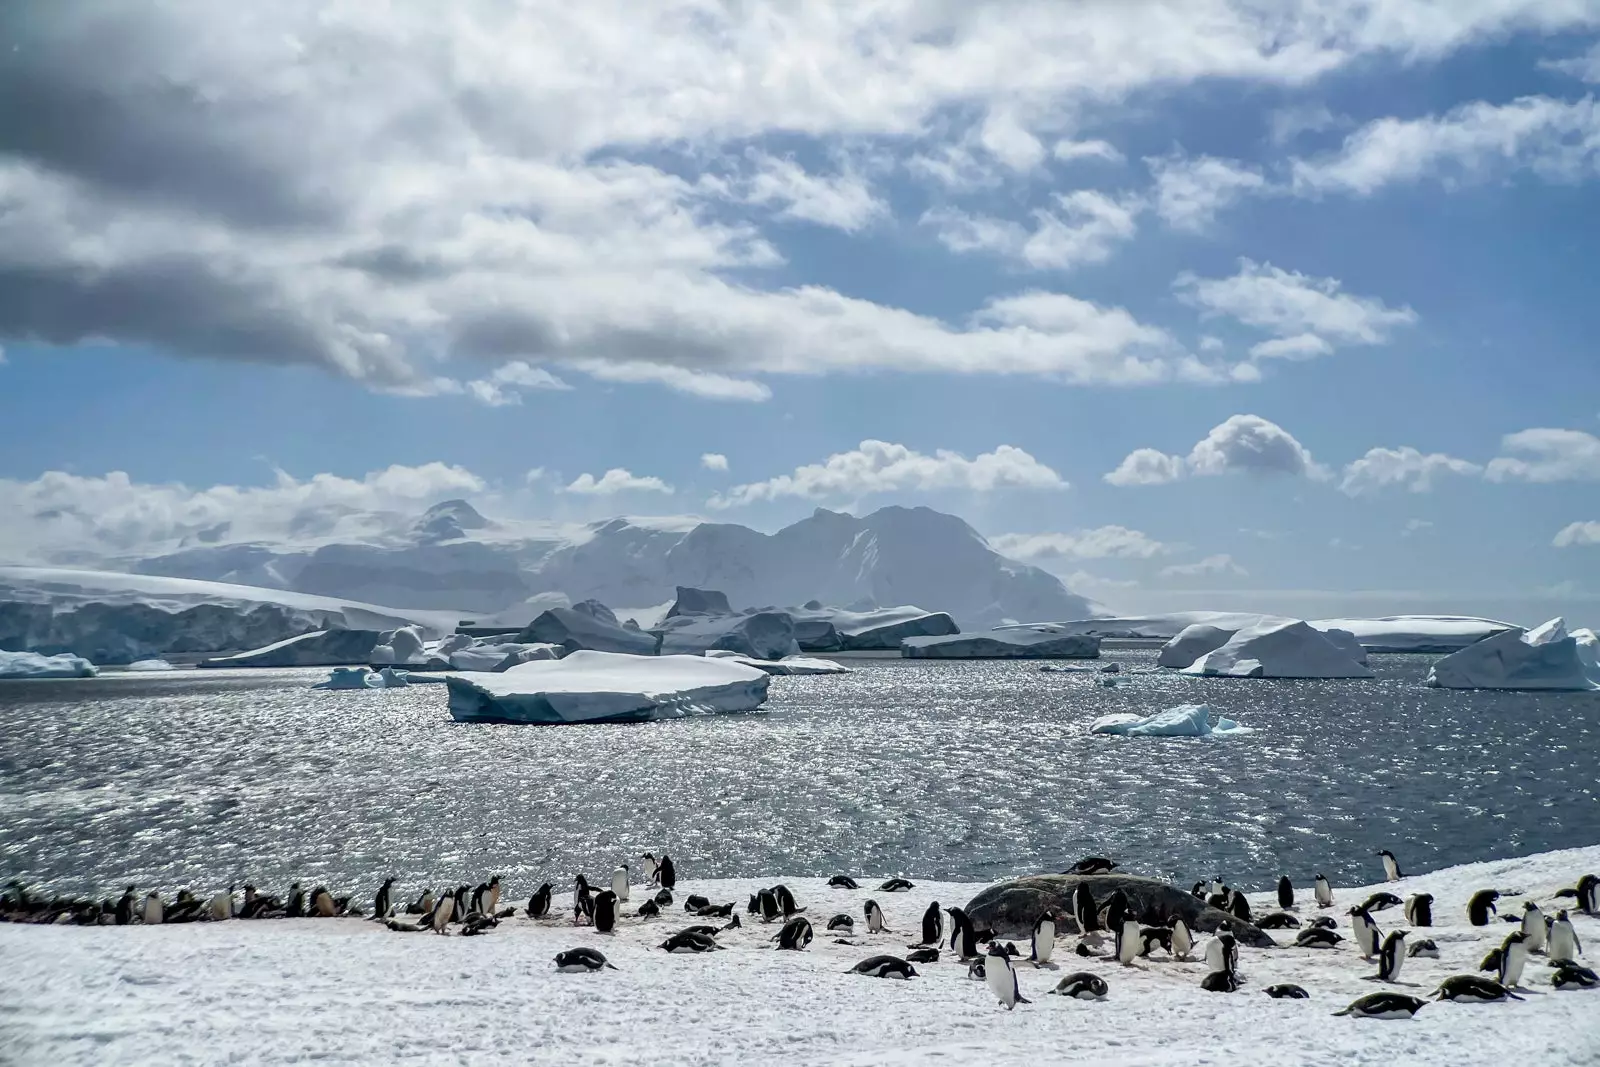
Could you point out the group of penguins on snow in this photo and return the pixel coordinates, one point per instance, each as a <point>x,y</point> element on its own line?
<point>477,910</point>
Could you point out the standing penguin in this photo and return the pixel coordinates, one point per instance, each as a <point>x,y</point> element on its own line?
<point>442,911</point>
<point>1044,938</point>
<point>1222,954</point>
<point>786,903</point>
<point>1324,892</point>
<point>1589,895</point>
<point>1481,906</point>
<point>152,913</point>
<point>1001,978</point>
<point>322,903</point>
<point>582,906</point>
<point>766,903</point>
<point>1182,939</point>
<point>124,913</point>
<point>1533,927</point>
<point>963,938</point>
<point>1129,943</point>
<point>619,882</point>
<point>1084,909</point>
<point>539,903</point>
<point>222,905</point>
<point>296,908</point>
<point>1285,892</point>
<point>1564,944</point>
<point>874,917</point>
<point>1391,866</point>
<point>666,873</point>
<point>605,912</point>
<point>1239,906</point>
<point>380,902</point>
<point>648,864</point>
<point>1419,909</point>
<point>1366,932</point>
<point>1391,956</point>
<point>1513,957</point>
<point>933,925</point>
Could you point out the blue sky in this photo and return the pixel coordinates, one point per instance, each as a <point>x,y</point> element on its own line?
<point>1007,246</point>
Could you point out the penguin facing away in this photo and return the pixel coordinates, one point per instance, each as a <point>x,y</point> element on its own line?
<point>795,935</point>
<point>1001,977</point>
<point>605,912</point>
<point>619,882</point>
<point>1419,909</point>
<point>539,903</point>
<point>1285,892</point>
<point>933,925</point>
<point>667,873</point>
<point>1481,906</point>
<point>963,938</point>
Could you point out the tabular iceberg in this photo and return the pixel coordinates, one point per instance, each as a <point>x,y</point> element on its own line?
<point>1391,633</point>
<point>319,648</point>
<point>598,687</point>
<point>33,665</point>
<point>1002,644</point>
<point>786,665</point>
<point>1546,657</point>
<point>1279,648</point>
<point>1186,720</point>
<point>495,656</point>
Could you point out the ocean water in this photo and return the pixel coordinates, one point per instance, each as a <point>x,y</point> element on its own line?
<point>955,770</point>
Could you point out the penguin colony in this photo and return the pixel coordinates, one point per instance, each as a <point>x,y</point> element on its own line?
<point>1109,930</point>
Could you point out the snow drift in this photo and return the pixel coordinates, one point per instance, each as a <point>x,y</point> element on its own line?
<point>596,687</point>
<point>1186,720</point>
<point>33,665</point>
<point>1002,644</point>
<point>1279,648</point>
<point>1546,657</point>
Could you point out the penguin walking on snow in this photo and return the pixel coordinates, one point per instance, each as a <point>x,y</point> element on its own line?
<point>963,938</point>
<point>1391,956</point>
<point>1001,978</point>
<point>605,912</point>
<point>1129,943</point>
<point>1323,892</point>
<point>1365,931</point>
<point>380,902</point>
<point>932,925</point>
<point>442,912</point>
<point>1391,866</point>
<point>1564,944</point>
<point>619,882</point>
<point>1182,939</point>
<point>1533,927</point>
<point>1044,939</point>
<point>874,916</point>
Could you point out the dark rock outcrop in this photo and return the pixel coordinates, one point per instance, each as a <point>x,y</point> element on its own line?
<point>1012,908</point>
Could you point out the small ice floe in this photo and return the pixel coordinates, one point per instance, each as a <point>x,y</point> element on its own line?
<point>149,665</point>
<point>361,678</point>
<point>1186,720</point>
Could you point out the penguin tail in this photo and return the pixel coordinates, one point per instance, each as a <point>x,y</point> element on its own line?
<point>1345,1011</point>
<point>611,965</point>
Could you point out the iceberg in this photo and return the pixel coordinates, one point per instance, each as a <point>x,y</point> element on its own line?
<point>1391,633</point>
<point>1186,720</point>
<point>600,687</point>
<point>499,655</point>
<point>874,629</point>
<point>319,648</point>
<point>403,645</point>
<point>1546,657</point>
<point>1279,648</point>
<point>1002,644</point>
<point>33,665</point>
<point>786,665</point>
<point>150,665</point>
<point>761,635</point>
<point>580,631</point>
<point>1192,642</point>
<point>361,678</point>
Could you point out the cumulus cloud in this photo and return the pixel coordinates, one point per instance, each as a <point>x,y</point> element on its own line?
<point>1190,191</point>
<point>1547,455</point>
<point>1218,564</point>
<point>1083,227</point>
<point>1104,542</point>
<point>1242,443</point>
<point>616,480</point>
<point>1299,346</point>
<point>502,387</point>
<point>843,201</point>
<point>1578,533</point>
<point>1585,66</point>
<point>1068,150</point>
<point>881,467</point>
<point>1383,468</point>
<point>714,461</point>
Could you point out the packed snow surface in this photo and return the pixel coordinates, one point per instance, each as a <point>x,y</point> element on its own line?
<point>1279,648</point>
<point>1546,657</point>
<point>607,687</point>
<point>1186,720</point>
<point>33,665</point>
<point>1391,633</point>
<point>1002,644</point>
<point>346,991</point>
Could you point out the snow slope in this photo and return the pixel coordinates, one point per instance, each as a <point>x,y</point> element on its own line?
<point>347,991</point>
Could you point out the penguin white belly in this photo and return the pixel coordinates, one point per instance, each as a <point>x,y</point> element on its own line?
<point>1182,942</point>
<point>1515,959</point>
<point>1129,943</point>
<point>222,906</point>
<point>152,912</point>
<point>1533,929</point>
<point>1563,942</point>
<point>1216,956</point>
<point>1044,941</point>
<point>619,883</point>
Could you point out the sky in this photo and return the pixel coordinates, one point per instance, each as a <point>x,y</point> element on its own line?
<point>1197,303</point>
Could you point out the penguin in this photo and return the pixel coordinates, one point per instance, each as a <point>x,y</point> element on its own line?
<point>963,938</point>
<point>1572,976</point>
<point>1391,866</point>
<point>494,895</point>
<point>717,911</point>
<point>1286,991</point>
<point>1220,982</point>
<point>1491,960</point>
<point>975,969</point>
<point>842,881</point>
<point>1182,939</point>
<point>380,901</point>
<point>1001,978</point>
<point>896,885</point>
<point>1153,937</point>
<point>1115,911</point>
<point>1217,887</point>
<point>786,903</point>
<point>933,925</point>
<point>442,912</point>
<point>619,883</point>
<point>1240,907</point>
<point>1513,957</point>
<point>1285,892</point>
<point>1222,953</point>
<point>1044,936</point>
<point>694,902</point>
<point>884,967</point>
<point>222,905</point>
<point>733,924</point>
<point>1323,892</point>
<point>1326,922</point>
<point>766,904</point>
<point>1391,957</point>
<point>1533,927</point>
<point>1198,891</point>
<point>582,903</point>
<point>605,912</point>
<point>423,905</point>
<point>1424,949</point>
<point>1471,988</point>
<point>1481,906</point>
<point>1317,937</point>
<point>1278,920</point>
<point>1084,909</point>
<point>648,910</point>
<point>663,898</point>
<point>842,922</point>
<point>1081,986</point>
<point>1365,931</point>
<point>322,903</point>
<point>690,941</point>
<point>1564,946</point>
<point>1221,901</point>
<point>1419,909</point>
<point>480,899</point>
<point>153,912</point>
<point>296,907</point>
<point>1092,865</point>
<point>1589,895</point>
<point>124,910</point>
<point>795,935</point>
<point>649,866</point>
<point>1384,1006</point>
<point>926,954</point>
<point>666,873</point>
<point>539,903</point>
<point>874,917</point>
<point>582,961</point>
<point>1381,902</point>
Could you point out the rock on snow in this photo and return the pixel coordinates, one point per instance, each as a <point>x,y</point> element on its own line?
<point>593,687</point>
<point>1546,657</point>
<point>1002,644</point>
<point>1186,720</point>
<point>33,665</point>
<point>1279,648</point>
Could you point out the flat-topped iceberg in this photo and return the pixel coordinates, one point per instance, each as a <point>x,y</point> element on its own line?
<point>1002,644</point>
<point>1546,657</point>
<point>496,656</point>
<point>597,687</point>
<point>1279,648</point>
<point>361,678</point>
<point>1186,720</point>
<point>319,648</point>
<point>33,665</point>
<point>786,665</point>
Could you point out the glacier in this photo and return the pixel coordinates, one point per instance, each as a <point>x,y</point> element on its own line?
<point>1279,648</point>
<point>1002,644</point>
<point>1186,720</point>
<point>603,687</point>
<point>33,665</point>
<point>1546,657</point>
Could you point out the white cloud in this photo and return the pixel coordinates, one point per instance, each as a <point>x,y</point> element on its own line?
<point>1190,191</point>
<point>1415,526</point>
<point>1300,310</point>
<point>1105,542</point>
<point>1288,123</point>
<point>1068,150</point>
<point>1578,533</point>
<point>1084,227</point>
<point>60,515</point>
<point>500,388</point>
<point>681,379</point>
<point>1218,564</point>
<point>1005,137</point>
<point>1382,468</point>
<point>714,461</point>
<point>880,467</point>
<point>844,201</point>
<point>2,353</point>
<point>616,480</point>
<point>1585,67</point>
<point>1211,344</point>
<point>1547,455</point>
<point>1299,346</point>
<point>1556,139</point>
<point>534,476</point>
<point>1242,443</point>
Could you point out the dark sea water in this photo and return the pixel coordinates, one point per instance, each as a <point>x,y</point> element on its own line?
<point>970,770</point>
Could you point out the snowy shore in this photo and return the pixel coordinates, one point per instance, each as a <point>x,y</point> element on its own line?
<point>349,991</point>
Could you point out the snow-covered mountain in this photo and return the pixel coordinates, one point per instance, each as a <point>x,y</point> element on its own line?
<point>451,557</point>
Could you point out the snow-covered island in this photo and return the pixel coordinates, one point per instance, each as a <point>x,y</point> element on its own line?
<point>1545,657</point>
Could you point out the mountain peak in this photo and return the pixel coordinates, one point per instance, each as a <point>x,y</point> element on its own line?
<point>448,520</point>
